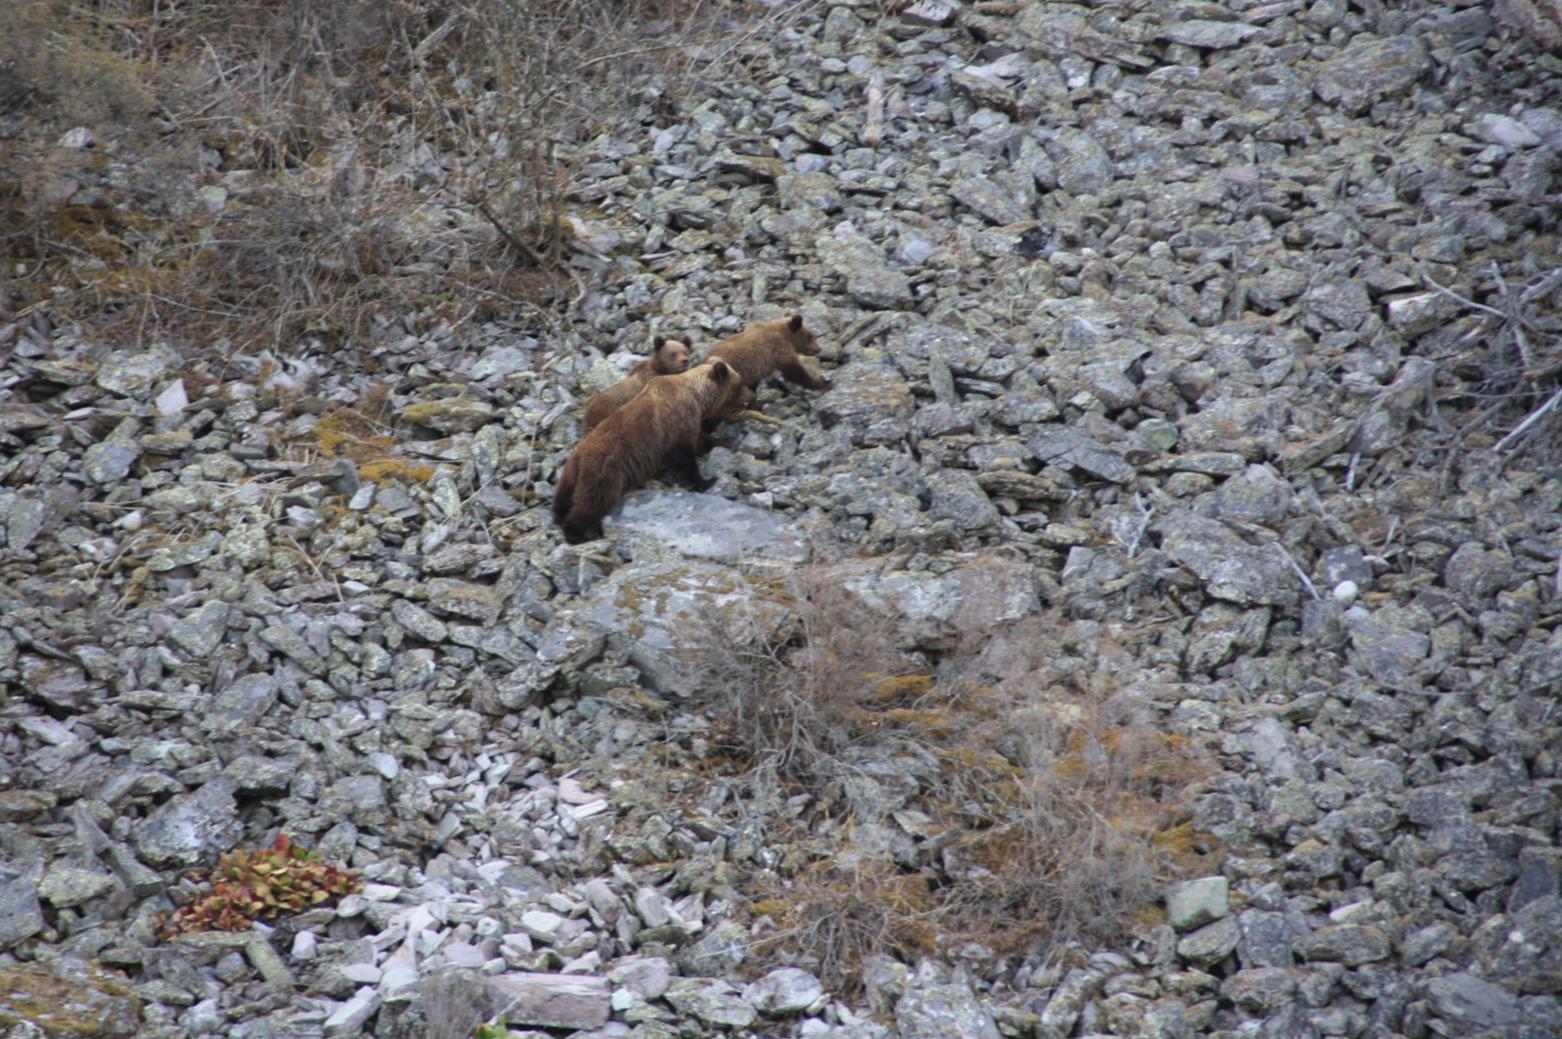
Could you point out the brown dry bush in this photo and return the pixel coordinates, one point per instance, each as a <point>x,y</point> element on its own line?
<point>1048,807</point>
<point>380,157</point>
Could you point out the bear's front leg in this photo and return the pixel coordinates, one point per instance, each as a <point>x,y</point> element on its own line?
<point>793,371</point>
<point>685,458</point>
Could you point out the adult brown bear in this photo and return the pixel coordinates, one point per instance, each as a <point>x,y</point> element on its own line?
<point>662,424</point>
<point>668,357</point>
<point>766,347</point>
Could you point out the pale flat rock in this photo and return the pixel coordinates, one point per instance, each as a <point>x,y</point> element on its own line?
<point>553,1000</point>
<point>664,612</point>
<point>936,609</point>
<point>1211,35</point>
<point>706,526</point>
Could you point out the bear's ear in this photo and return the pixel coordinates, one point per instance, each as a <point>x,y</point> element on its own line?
<point>719,371</point>
<point>656,344</point>
<point>795,323</point>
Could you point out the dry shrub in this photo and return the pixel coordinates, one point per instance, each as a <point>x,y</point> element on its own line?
<point>797,708</point>
<point>1047,808</point>
<point>383,159</point>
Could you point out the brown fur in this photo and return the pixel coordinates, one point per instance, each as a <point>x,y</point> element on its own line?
<point>766,347</point>
<point>629,447</point>
<point>668,357</point>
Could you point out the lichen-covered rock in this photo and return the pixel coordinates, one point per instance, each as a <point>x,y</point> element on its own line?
<point>68,999</point>
<point>190,827</point>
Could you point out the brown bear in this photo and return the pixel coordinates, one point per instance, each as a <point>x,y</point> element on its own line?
<point>668,357</point>
<point>766,347</point>
<point>663,423</point>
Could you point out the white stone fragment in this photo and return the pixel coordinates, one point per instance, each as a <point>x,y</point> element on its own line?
<point>304,945</point>
<point>349,1018</point>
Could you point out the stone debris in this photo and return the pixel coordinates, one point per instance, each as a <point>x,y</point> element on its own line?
<point>1153,335</point>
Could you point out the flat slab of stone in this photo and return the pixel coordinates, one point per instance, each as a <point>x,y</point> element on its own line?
<point>1230,568</point>
<point>1371,70</point>
<point>189,827</point>
<point>706,526</point>
<point>934,609</point>
<point>665,612</point>
<point>1068,449</point>
<point>553,1000</point>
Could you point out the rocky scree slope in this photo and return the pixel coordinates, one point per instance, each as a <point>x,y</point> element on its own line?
<point>1190,333</point>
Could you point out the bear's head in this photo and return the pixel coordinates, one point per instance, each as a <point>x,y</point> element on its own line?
<point>802,339</point>
<point>669,356</point>
<point>729,396</point>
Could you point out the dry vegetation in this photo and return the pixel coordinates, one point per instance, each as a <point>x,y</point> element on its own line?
<point>938,805</point>
<point>264,170</point>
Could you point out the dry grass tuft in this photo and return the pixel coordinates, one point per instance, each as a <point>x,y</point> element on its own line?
<point>269,170</point>
<point>946,804</point>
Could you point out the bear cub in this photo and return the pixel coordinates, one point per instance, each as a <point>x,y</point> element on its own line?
<point>668,357</point>
<point>766,347</point>
<point>662,423</point>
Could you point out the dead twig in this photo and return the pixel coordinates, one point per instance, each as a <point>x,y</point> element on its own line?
<point>1530,420</point>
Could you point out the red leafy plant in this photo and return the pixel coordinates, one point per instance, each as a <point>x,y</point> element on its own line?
<point>250,885</point>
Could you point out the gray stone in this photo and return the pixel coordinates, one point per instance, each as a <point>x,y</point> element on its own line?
<point>110,460</point>
<point>1349,944</point>
<point>464,600</point>
<point>500,361</point>
<point>1473,573</point>
<point>705,526</point>
<point>720,950</point>
<point>1197,902</point>
<point>1372,70</point>
<point>978,593</point>
<point>1506,131</point>
<point>879,287</point>
<point>1393,643</point>
<point>1068,449</point>
<point>1343,304</point>
<point>957,495</point>
<point>200,633</point>
<point>1257,495</point>
<point>1266,939</point>
<point>784,991</point>
<point>65,886</point>
<point>989,200</point>
<point>1412,316</point>
<point>241,705</point>
<point>1083,165</point>
<point>714,1002</point>
<point>646,976</point>
<point>23,517</point>
<point>419,621</point>
<point>1231,568</point>
<point>350,1018</point>
<point>1467,1001</point>
<point>133,375</point>
<point>1540,876</point>
<point>943,1010</point>
<point>20,914</point>
<point>872,403</point>
<point>1062,1012</point>
<point>666,613</point>
<point>1211,943</point>
<point>1194,32</point>
<point>1260,989</point>
<point>1424,944</point>
<point>191,827</point>
<point>449,414</point>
